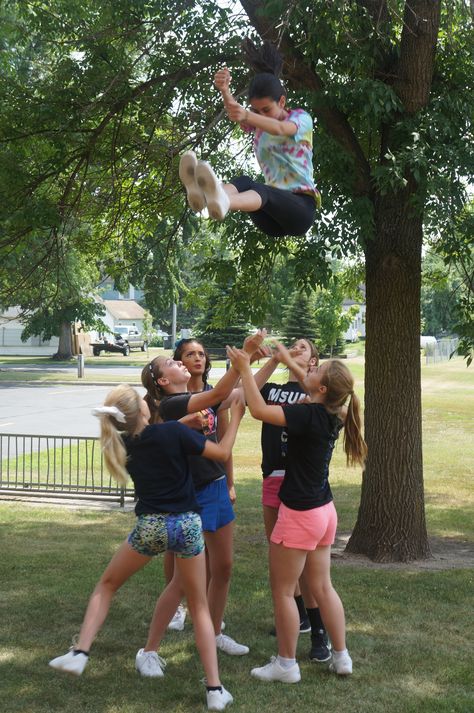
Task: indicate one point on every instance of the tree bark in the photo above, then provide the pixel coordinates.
(391, 520)
(65, 343)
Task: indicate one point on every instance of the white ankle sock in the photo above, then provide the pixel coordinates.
(285, 663)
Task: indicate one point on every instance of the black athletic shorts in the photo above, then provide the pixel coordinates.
(282, 212)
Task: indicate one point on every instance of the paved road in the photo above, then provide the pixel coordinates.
(59, 410)
(50, 410)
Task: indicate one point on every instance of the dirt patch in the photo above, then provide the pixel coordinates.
(447, 553)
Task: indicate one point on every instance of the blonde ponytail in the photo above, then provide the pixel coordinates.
(127, 400)
(339, 383)
(354, 445)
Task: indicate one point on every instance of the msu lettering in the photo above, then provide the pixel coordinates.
(280, 396)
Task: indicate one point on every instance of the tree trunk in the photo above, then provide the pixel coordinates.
(391, 520)
(65, 343)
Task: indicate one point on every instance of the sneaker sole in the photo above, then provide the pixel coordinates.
(314, 660)
(274, 680)
(187, 167)
(210, 185)
(65, 670)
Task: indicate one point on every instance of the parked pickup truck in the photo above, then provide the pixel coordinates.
(125, 339)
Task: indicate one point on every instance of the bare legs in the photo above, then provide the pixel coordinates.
(247, 201)
(318, 571)
(123, 564)
(286, 566)
(220, 552)
(219, 559)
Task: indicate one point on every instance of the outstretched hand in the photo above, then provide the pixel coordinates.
(254, 341)
(239, 358)
(283, 354)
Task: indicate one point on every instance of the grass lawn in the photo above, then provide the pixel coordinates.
(409, 629)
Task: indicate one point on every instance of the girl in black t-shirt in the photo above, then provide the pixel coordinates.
(166, 382)
(195, 357)
(155, 456)
(306, 525)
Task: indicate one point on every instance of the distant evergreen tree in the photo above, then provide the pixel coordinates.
(217, 337)
(299, 318)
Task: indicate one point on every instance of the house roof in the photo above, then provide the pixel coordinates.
(124, 309)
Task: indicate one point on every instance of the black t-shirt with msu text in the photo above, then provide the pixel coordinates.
(274, 439)
(312, 434)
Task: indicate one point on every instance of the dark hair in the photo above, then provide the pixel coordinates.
(179, 349)
(268, 63)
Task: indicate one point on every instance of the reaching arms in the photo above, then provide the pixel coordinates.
(224, 386)
(286, 357)
(258, 408)
(222, 426)
(236, 112)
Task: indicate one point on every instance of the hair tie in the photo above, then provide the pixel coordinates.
(153, 377)
(109, 411)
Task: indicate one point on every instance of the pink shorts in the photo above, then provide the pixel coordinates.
(270, 488)
(305, 529)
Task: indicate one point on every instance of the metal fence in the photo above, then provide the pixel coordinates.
(61, 466)
(441, 351)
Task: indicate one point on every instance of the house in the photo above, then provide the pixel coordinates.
(11, 328)
(121, 311)
(125, 312)
(357, 328)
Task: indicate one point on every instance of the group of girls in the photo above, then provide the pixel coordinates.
(164, 460)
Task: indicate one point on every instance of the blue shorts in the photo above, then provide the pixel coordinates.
(216, 508)
(180, 533)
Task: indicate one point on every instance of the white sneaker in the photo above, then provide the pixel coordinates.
(218, 700)
(177, 622)
(274, 672)
(341, 663)
(229, 646)
(216, 198)
(194, 193)
(70, 663)
(149, 664)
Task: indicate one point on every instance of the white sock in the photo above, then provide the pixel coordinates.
(285, 663)
(339, 654)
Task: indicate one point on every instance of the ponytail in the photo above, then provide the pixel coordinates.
(268, 63)
(127, 403)
(339, 384)
(354, 445)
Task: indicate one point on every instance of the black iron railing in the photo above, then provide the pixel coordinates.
(65, 466)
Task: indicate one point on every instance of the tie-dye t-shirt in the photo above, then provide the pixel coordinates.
(287, 161)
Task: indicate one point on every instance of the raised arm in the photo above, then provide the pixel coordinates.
(223, 388)
(222, 426)
(258, 408)
(284, 355)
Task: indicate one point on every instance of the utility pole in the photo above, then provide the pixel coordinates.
(173, 324)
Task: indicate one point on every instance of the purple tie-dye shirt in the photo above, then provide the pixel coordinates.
(287, 161)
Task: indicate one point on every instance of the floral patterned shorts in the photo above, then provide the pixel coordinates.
(180, 533)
